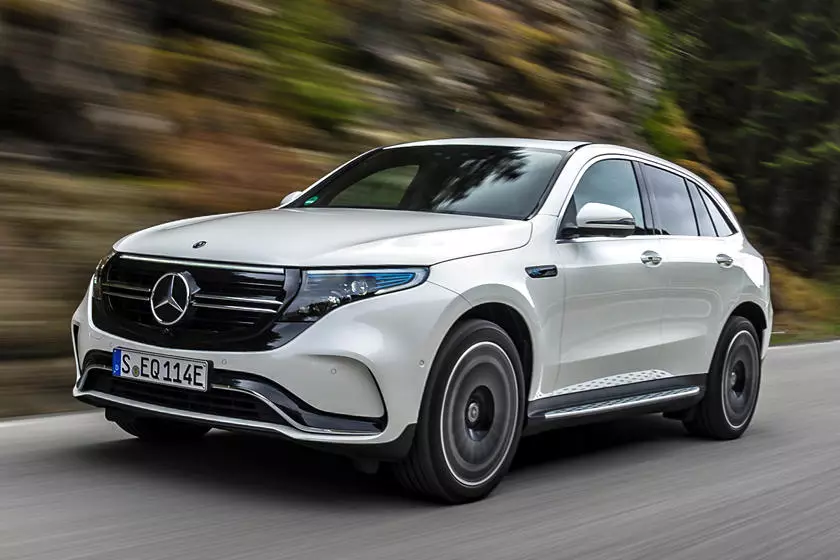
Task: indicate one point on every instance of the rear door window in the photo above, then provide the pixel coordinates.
(671, 201)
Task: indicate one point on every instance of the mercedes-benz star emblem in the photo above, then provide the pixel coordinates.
(199, 244)
(171, 297)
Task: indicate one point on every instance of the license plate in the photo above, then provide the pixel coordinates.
(163, 370)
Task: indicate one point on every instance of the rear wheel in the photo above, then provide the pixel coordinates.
(161, 430)
(470, 419)
(733, 383)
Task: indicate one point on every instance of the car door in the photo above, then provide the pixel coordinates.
(612, 307)
(702, 282)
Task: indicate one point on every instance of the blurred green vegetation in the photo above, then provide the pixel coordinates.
(745, 90)
(120, 114)
(304, 80)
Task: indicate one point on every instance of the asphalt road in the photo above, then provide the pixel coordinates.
(74, 487)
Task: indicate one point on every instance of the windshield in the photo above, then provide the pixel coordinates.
(505, 182)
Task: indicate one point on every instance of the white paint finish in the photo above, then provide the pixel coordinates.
(594, 215)
(697, 300)
(702, 294)
(371, 335)
(612, 320)
(330, 237)
(604, 314)
(501, 278)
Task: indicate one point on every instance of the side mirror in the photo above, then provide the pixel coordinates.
(601, 220)
(291, 197)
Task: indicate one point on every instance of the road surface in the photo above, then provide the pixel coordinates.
(74, 487)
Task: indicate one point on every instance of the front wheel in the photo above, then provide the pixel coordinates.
(732, 388)
(471, 417)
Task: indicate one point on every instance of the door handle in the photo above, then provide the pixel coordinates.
(724, 261)
(651, 258)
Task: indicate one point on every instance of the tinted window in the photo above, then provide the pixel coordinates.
(704, 220)
(383, 188)
(673, 204)
(480, 180)
(612, 182)
(722, 225)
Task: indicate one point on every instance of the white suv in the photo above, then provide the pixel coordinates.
(427, 304)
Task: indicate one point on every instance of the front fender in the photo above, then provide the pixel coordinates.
(499, 278)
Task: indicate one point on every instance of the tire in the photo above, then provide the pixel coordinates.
(732, 387)
(471, 417)
(158, 430)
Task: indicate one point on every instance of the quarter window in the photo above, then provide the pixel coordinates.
(674, 211)
(704, 220)
(612, 182)
(722, 225)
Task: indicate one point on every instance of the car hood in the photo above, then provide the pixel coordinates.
(329, 237)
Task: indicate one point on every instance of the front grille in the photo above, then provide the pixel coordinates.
(217, 402)
(234, 304)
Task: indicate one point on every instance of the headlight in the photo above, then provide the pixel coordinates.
(97, 275)
(321, 291)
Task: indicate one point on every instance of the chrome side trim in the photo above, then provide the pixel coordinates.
(613, 381)
(622, 404)
(234, 308)
(207, 264)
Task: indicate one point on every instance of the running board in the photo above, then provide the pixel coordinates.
(625, 403)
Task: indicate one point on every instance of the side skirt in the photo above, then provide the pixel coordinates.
(667, 395)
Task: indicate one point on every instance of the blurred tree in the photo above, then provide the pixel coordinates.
(760, 80)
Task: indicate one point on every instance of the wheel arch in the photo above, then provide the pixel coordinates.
(753, 313)
(514, 324)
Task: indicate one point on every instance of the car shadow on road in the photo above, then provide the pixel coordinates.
(274, 469)
(599, 442)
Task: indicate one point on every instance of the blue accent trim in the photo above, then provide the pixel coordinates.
(115, 362)
(542, 271)
(381, 280)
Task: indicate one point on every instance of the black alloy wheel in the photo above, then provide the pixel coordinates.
(471, 417)
(733, 384)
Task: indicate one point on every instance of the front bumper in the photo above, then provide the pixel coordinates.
(354, 379)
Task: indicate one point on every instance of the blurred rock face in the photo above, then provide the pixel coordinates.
(576, 68)
(96, 82)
